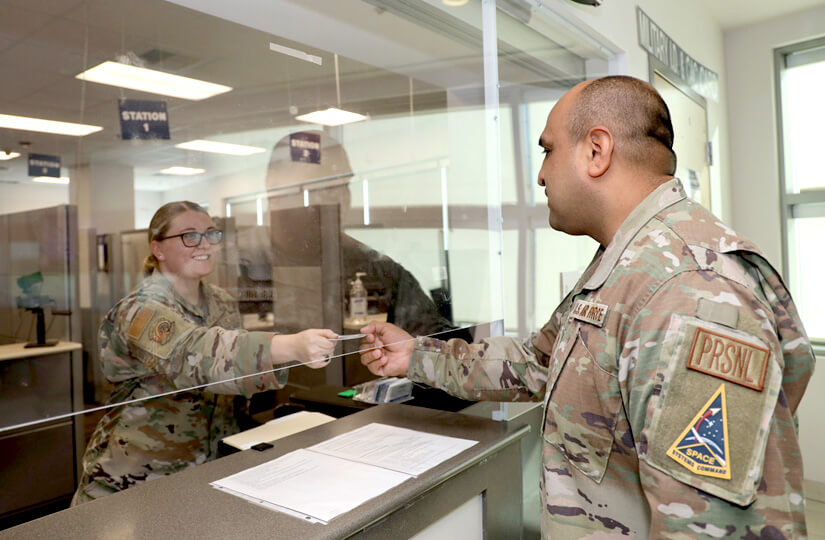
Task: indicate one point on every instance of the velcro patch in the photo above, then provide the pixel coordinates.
(590, 312)
(690, 436)
(158, 335)
(728, 358)
(703, 447)
(162, 331)
(138, 325)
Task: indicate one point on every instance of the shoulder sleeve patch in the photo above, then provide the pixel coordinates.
(708, 426)
(726, 357)
(155, 332)
(703, 447)
(139, 322)
(162, 330)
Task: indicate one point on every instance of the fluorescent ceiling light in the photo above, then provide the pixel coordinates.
(51, 179)
(454, 3)
(182, 171)
(5, 156)
(331, 117)
(46, 126)
(215, 147)
(153, 81)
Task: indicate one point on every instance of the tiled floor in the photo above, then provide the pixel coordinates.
(815, 514)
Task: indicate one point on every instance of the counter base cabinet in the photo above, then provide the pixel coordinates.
(35, 469)
(38, 461)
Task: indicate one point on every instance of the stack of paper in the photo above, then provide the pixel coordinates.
(335, 476)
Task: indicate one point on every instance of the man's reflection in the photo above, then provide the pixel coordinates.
(175, 332)
(301, 185)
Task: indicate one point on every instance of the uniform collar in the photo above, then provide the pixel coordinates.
(160, 284)
(663, 196)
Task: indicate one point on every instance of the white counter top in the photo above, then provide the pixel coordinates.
(19, 350)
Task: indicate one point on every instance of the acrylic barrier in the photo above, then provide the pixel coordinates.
(344, 164)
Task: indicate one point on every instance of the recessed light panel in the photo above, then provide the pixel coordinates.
(215, 147)
(152, 81)
(331, 117)
(51, 180)
(182, 171)
(41, 125)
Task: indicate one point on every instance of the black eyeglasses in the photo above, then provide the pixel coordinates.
(193, 239)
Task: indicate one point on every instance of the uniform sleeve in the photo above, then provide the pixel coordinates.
(494, 369)
(718, 452)
(231, 361)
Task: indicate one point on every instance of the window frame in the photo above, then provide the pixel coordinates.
(811, 203)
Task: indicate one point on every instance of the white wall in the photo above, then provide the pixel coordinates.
(213, 191)
(27, 196)
(693, 28)
(755, 170)
(146, 203)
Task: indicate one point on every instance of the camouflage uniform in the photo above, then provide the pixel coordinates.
(671, 375)
(153, 341)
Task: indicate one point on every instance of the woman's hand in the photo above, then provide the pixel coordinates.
(311, 347)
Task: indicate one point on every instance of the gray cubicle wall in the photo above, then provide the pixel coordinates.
(44, 241)
(39, 463)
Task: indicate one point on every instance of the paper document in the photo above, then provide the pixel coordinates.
(405, 450)
(328, 479)
(277, 429)
(313, 484)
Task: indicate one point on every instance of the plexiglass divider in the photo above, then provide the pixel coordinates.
(379, 142)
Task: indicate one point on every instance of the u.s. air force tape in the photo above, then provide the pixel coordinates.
(590, 312)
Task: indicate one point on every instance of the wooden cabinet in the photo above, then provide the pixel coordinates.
(39, 438)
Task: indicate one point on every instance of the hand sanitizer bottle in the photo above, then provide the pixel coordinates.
(358, 300)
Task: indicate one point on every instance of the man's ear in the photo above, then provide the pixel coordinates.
(154, 247)
(599, 145)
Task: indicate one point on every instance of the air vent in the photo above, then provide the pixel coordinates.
(166, 60)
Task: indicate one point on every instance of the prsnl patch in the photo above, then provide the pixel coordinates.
(726, 357)
(703, 447)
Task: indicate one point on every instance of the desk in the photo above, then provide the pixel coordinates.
(39, 461)
(186, 506)
(19, 350)
(325, 399)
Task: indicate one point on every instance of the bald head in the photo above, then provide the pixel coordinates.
(635, 114)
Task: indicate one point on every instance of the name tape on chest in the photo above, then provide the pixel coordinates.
(703, 447)
(590, 312)
(728, 358)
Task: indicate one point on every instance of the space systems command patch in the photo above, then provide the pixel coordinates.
(702, 448)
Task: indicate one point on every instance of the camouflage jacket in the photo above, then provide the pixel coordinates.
(154, 342)
(671, 375)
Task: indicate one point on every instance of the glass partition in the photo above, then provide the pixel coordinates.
(327, 146)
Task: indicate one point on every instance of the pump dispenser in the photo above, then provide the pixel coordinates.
(358, 300)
